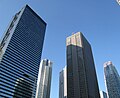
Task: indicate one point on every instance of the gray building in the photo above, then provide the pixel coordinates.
(20, 54)
(44, 79)
(81, 74)
(112, 80)
(63, 83)
(103, 94)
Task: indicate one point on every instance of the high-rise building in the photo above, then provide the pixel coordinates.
(20, 54)
(112, 80)
(24, 86)
(44, 79)
(63, 83)
(103, 94)
(81, 74)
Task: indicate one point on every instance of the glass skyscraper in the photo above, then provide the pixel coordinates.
(44, 79)
(112, 80)
(20, 55)
(81, 74)
(63, 83)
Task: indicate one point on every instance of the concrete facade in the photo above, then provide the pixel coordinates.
(44, 79)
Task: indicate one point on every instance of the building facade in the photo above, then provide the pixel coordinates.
(63, 83)
(24, 86)
(112, 80)
(44, 79)
(20, 54)
(81, 74)
(103, 94)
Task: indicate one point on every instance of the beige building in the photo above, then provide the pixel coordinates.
(81, 74)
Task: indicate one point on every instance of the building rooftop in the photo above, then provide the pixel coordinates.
(108, 63)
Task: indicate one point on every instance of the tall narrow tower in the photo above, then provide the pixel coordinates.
(103, 94)
(63, 83)
(20, 55)
(44, 79)
(81, 74)
(112, 80)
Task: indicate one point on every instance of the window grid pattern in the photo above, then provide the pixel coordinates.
(112, 80)
(20, 63)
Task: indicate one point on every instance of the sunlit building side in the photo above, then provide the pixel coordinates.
(44, 79)
(112, 80)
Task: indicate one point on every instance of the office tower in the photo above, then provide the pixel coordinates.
(81, 74)
(103, 94)
(63, 83)
(24, 86)
(112, 80)
(20, 54)
(44, 79)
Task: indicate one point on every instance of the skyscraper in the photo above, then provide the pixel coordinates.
(81, 74)
(112, 80)
(103, 94)
(63, 83)
(44, 79)
(24, 86)
(20, 54)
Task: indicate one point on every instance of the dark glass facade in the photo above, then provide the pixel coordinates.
(21, 50)
(81, 74)
(23, 89)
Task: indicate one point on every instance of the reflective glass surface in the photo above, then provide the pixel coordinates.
(20, 63)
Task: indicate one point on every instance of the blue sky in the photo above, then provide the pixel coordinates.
(98, 20)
